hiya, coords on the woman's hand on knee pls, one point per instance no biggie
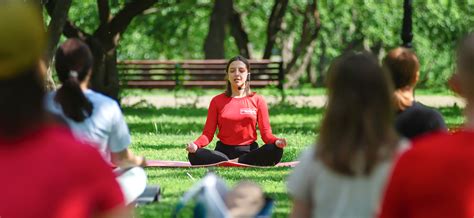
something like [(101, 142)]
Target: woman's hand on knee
[(191, 147), (281, 143)]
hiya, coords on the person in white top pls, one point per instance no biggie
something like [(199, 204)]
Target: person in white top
[(344, 174), (93, 117)]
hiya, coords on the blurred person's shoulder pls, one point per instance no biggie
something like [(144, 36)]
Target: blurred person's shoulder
[(442, 144), (425, 111), (62, 139)]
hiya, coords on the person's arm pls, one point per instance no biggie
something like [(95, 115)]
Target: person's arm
[(300, 209), (119, 140), (210, 126), (264, 122), (126, 159)]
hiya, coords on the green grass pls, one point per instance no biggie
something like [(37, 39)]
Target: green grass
[(162, 134), (270, 91)]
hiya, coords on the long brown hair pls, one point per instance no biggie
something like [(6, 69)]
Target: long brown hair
[(228, 87), (359, 116)]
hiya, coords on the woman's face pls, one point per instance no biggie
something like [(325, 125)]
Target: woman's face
[(237, 73)]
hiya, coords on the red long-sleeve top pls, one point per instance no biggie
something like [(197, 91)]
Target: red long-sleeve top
[(435, 178), (236, 119)]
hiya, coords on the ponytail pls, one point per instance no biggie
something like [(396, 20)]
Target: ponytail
[(74, 103), (73, 64)]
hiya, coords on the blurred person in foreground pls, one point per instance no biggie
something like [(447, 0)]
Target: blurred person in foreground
[(435, 178), (45, 171), (344, 174)]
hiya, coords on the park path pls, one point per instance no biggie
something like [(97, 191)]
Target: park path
[(311, 101)]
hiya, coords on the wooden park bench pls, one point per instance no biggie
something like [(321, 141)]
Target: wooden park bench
[(150, 74)]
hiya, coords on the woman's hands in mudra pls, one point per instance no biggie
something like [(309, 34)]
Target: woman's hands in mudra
[(281, 143), (191, 147)]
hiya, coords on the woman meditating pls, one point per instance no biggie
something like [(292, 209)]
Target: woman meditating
[(236, 113)]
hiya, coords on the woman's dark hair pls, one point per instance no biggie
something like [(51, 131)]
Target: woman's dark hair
[(357, 130), (228, 87), (21, 98), (403, 66), (73, 64)]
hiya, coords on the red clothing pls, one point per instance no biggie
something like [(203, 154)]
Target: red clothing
[(237, 120), (47, 173), (435, 178)]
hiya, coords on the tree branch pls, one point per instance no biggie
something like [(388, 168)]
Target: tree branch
[(104, 11), (274, 26), (56, 26), (311, 27), (72, 31), (120, 22), (239, 34), (69, 30)]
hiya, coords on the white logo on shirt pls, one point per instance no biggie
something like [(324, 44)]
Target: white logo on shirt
[(251, 111)]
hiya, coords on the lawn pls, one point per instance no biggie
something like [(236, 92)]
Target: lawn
[(162, 134), (269, 91)]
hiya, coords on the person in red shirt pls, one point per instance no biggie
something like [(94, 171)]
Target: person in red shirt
[(435, 178), (45, 171), (236, 113)]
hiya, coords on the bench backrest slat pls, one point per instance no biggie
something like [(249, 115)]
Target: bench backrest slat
[(193, 73)]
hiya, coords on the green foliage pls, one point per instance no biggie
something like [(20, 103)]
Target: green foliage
[(177, 29), (170, 30)]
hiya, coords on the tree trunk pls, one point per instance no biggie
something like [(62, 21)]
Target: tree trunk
[(214, 43), (322, 63), (239, 34), (274, 26), (407, 34), (104, 41), (296, 72), (104, 78), (305, 47), (58, 11), (287, 48), (55, 28), (312, 74)]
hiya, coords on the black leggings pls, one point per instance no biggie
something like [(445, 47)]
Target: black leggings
[(267, 155)]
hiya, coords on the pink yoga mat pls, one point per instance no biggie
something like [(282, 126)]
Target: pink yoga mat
[(171, 163)]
